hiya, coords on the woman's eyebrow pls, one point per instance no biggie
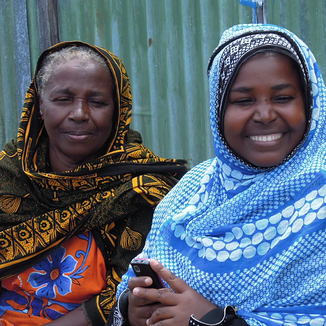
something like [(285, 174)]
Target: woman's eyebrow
[(241, 89), (96, 93), (66, 91), (282, 86)]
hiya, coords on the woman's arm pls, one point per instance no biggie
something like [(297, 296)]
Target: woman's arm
[(76, 317)]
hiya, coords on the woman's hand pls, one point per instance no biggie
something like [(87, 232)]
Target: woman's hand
[(139, 309), (173, 306)]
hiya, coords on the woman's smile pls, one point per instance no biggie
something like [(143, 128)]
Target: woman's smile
[(266, 143), (271, 138), (78, 136)]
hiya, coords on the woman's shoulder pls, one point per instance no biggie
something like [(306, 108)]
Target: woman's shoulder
[(9, 161), (10, 148), (195, 174), (187, 185)]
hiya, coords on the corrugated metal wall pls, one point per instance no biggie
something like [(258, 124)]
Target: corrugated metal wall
[(14, 65), (165, 45)]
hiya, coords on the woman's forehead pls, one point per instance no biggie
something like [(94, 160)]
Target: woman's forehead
[(260, 57), (282, 73)]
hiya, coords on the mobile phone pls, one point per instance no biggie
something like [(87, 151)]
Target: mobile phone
[(141, 267)]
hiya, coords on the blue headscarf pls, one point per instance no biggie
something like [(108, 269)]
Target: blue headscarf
[(245, 236)]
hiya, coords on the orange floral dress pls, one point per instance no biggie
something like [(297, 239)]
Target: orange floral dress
[(71, 274)]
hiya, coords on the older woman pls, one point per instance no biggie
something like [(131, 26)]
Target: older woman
[(77, 191), (244, 233)]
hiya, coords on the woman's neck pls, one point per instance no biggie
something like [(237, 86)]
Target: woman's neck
[(61, 163)]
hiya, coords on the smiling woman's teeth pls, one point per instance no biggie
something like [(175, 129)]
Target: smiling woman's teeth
[(266, 137)]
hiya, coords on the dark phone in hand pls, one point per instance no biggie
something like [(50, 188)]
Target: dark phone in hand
[(142, 267)]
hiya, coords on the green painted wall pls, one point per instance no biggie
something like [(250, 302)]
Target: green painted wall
[(165, 45)]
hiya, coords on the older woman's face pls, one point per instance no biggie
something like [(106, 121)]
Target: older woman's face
[(265, 115), (77, 107)]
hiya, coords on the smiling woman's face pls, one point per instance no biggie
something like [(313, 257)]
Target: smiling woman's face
[(77, 107), (265, 115)]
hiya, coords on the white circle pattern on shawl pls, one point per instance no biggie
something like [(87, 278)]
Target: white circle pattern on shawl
[(260, 237)]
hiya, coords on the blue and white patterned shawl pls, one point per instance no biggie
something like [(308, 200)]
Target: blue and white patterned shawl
[(247, 237)]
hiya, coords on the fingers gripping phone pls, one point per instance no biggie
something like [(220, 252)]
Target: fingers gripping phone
[(141, 267)]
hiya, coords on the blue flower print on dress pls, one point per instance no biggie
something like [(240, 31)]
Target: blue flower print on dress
[(52, 278)]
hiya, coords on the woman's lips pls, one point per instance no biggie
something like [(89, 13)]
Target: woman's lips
[(78, 135), (266, 138)]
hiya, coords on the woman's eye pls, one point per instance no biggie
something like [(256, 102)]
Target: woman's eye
[(62, 99), (283, 99), (97, 103), (242, 101)]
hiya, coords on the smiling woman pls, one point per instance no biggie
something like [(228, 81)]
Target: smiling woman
[(241, 238), (77, 191)]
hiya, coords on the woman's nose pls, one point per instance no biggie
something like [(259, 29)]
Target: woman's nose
[(80, 110), (264, 112)]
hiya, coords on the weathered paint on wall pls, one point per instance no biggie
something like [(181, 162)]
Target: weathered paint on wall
[(165, 45), (14, 65)]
